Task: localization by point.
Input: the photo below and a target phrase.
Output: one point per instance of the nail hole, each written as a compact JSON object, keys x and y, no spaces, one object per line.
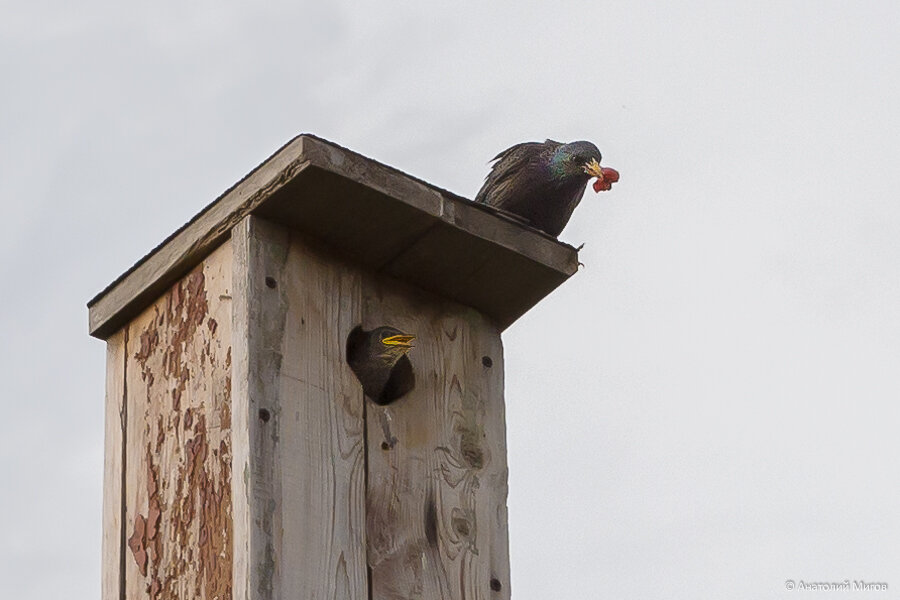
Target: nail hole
{"x":264,"y":415}
{"x":486,"y":361}
{"x":495,"y":584}
{"x":385,"y":446}
{"x":270,"y":282}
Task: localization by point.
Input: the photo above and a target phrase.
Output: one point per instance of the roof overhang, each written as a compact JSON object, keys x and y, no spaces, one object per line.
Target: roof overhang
{"x":369,"y":213}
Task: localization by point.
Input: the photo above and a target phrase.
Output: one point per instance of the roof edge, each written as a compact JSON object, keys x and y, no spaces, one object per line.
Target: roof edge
{"x":138,"y":286}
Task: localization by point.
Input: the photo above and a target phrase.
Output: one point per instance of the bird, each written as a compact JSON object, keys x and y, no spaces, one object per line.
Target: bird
{"x":542,"y":183}
{"x":379,"y":360}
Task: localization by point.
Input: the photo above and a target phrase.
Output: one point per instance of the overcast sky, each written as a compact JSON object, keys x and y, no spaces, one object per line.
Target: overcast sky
{"x":707,"y":409}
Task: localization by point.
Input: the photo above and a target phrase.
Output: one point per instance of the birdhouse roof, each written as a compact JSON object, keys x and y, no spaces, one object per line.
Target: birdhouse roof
{"x":369,"y":213}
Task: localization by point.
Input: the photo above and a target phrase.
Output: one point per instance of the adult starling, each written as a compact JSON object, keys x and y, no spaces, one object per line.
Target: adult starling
{"x":542,"y":183}
{"x":378,"y":359}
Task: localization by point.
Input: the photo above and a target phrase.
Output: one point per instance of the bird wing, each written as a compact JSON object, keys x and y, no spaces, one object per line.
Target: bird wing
{"x":500,"y":183}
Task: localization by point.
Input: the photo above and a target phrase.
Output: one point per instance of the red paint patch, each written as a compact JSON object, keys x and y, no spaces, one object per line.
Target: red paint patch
{"x":137,"y":543}
{"x":153,"y":520}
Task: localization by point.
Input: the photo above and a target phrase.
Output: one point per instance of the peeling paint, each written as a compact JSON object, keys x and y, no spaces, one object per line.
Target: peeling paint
{"x":182,"y":540}
{"x":137,"y":542}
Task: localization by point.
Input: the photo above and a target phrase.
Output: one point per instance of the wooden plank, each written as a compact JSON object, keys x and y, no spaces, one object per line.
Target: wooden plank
{"x":389,"y":181}
{"x":138,"y":400}
{"x":180,"y":252}
{"x":437,"y":483}
{"x":259,"y":317}
{"x":114,"y":448}
{"x":178,"y":517}
{"x":322,"y":433}
{"x":362,"y":209}
{"x":299,"y":436}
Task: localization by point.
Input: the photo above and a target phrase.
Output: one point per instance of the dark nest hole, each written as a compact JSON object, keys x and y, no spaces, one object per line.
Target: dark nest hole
{"x":382,"y":382}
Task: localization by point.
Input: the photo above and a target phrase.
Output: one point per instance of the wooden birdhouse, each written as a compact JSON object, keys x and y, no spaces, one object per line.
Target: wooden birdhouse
{"x":243,"y":459}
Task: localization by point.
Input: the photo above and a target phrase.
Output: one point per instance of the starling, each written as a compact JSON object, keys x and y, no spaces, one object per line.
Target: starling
{"x":542,"y":183}
{"x":378,"y":359}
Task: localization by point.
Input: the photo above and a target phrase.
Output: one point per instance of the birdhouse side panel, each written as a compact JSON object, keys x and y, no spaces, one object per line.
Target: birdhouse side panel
{"x":437,"y":470}
{"x":178,"y":508}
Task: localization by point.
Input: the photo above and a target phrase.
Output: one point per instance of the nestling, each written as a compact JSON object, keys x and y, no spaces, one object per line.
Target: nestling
{"x":542,"y":183}
{"x":378,"y":359}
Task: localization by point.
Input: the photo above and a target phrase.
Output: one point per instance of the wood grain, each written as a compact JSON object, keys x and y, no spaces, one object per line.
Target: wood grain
{"x":301,"y":505}
{"x":259,"y":316}
{"x":323,"y":466}
{"x":178,"y":517}
{"x":113,"y":470}
{"x":332,"y":497}
{"x":437,"y":483}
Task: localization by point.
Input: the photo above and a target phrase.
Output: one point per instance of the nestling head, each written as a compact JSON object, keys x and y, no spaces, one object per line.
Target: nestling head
{"x":392,"y":344}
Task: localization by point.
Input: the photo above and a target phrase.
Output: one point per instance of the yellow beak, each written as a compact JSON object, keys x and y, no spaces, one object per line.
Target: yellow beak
{"x":402,"y":340}
{"x":593,"y":169}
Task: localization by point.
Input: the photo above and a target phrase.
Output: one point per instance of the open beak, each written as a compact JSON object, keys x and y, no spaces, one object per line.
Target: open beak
{"x":402,"y":340}
{"x":594,"y":169}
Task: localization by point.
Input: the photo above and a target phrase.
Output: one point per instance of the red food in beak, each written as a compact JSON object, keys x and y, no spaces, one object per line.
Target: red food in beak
{"x":610,"y":176}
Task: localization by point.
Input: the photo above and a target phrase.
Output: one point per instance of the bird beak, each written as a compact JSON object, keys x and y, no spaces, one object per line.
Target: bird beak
{"x":594,"y":169}
{"x":402,"y":340}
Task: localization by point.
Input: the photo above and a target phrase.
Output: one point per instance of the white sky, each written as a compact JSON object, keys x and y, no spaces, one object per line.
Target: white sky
{"x":709,"y":408}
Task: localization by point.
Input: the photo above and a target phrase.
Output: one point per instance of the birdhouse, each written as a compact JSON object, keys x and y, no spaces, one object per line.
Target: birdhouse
{"x":243,"y":458}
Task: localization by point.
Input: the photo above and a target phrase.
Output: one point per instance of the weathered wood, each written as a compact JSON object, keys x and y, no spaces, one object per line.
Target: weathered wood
{"x":178,"y":517}
{"x":322,"y":432}
{"x":300,"y":510}
{"x":377,"y":216}
{"x":259,"y":319}
{"x":152,"y":275}
{"x":437,"y":479}
{"x":113,"y":469}
{"x":332,"y":496}
{"x":301,"y":506}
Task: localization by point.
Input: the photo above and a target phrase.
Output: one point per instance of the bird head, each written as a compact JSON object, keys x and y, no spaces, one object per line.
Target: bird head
{"x":576,"y":160}
{"x":392,"y":343}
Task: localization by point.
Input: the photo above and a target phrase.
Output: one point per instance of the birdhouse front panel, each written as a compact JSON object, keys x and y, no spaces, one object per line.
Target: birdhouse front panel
{"x":343,"y":494}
